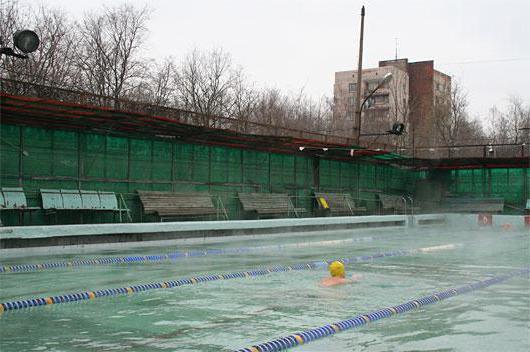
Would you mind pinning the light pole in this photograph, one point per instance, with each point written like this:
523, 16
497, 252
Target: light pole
357, 122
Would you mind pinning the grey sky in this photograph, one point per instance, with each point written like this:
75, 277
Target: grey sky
290, 44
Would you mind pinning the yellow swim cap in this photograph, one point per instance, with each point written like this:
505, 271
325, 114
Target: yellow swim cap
336, 269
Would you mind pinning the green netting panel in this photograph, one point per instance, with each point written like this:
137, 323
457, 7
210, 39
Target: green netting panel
116, 158
201, 164
38, 143
161, 163
347, 176
282, 172
367, 176
329, 175
183, 162
140, 159
65, 146
93, 155
255, 171
235, 170
507, 183
219, 165
9, 150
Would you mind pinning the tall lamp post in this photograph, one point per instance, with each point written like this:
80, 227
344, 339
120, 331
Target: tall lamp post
357, 122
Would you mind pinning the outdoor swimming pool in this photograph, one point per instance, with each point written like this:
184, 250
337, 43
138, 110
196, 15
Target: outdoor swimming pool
225, 315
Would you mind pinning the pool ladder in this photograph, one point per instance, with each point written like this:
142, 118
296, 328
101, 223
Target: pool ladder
406, 200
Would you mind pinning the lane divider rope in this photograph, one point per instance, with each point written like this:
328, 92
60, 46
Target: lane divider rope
307, 336
167, 256
88, 295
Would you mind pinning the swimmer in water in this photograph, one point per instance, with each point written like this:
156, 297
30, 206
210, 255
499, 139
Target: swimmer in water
337, 272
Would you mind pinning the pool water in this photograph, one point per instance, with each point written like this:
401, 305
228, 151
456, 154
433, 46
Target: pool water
229, 314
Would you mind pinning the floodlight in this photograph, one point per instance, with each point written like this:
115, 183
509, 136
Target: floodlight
397, 129
387, 78
26, 41
301, 148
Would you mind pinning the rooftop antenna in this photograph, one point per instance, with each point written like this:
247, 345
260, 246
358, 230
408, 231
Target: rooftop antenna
396, 42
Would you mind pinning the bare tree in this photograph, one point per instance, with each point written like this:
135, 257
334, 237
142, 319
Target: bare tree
11, 20
451, 115
518, 116
109, 50
52, 62
245, 100
497, 126
158, 87
205, 81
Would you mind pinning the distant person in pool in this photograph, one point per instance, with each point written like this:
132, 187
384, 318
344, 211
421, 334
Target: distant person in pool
338, 276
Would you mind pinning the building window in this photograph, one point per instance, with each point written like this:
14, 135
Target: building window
372, 85
352, 100
352, 87
381, 99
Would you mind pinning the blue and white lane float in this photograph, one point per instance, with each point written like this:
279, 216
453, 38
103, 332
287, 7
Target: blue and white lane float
307, 336
17, 268
88, 295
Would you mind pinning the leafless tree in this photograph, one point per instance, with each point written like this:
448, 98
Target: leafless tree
51, 63
497, 126
451, 115
109, 52
245, 101
205, 81
518, 117
11, 19
158, 87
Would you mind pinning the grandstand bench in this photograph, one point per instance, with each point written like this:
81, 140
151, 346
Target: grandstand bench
168, 205
473, 205
395, 203
337, 203
262, 205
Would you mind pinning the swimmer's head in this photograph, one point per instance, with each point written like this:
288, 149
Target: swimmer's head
336, 269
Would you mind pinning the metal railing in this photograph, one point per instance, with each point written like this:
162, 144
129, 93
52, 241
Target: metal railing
17, 87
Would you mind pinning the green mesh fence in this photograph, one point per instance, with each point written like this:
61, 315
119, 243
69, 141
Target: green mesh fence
36, 158
508, 183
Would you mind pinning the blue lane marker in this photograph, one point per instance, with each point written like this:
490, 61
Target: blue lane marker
166, 257
297, 339
79, 296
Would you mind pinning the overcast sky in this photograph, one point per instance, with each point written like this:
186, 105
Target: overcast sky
290, 44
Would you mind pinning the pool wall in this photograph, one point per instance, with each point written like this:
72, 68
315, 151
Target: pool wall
24, 237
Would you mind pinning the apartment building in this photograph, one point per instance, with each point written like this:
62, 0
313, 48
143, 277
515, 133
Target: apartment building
409, 97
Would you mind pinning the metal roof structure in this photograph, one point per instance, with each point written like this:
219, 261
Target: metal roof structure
64, 115
54, 114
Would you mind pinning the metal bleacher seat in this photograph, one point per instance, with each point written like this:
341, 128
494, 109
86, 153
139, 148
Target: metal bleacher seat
14, 199
81, 200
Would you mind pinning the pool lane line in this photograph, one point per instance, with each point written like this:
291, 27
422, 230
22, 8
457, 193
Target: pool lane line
17, 268
22, 268
88, 295
307, 336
